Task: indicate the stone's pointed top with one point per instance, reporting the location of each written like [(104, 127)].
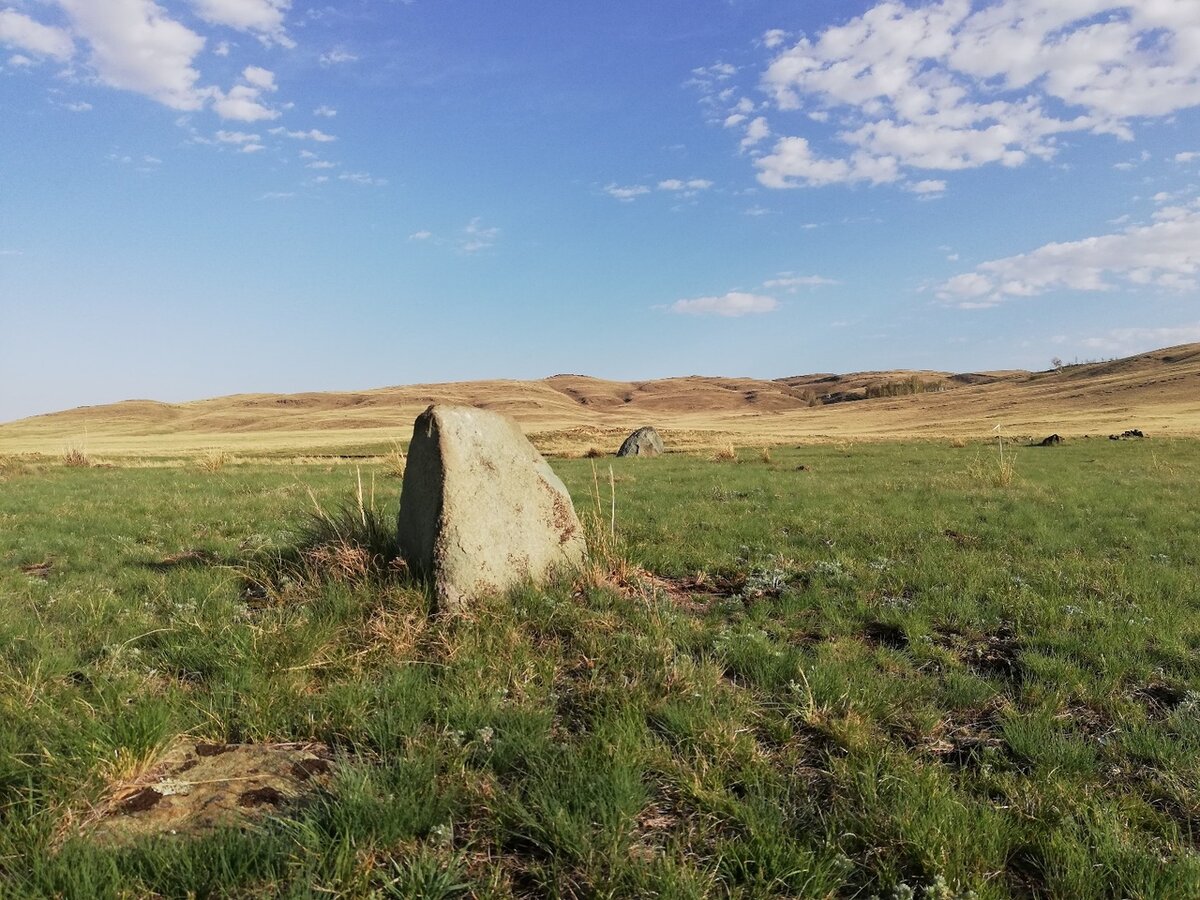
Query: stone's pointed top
[(481, 511), (643, 442)]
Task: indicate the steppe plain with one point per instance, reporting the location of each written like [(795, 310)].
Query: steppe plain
[(825, 649)]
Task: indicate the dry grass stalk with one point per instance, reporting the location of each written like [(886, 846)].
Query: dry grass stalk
[(765, 454)]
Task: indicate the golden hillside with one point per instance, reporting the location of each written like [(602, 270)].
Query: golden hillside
[(1158, 392)]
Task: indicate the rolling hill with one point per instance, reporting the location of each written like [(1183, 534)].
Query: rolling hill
[(1157, 391)]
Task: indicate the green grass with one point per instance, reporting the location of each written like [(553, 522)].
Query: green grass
[(909, 680)]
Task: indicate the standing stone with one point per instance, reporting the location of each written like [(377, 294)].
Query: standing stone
[(480, 510), (643, 442)]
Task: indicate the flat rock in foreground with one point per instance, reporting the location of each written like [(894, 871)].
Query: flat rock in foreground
[(197, 787), (481, 511)]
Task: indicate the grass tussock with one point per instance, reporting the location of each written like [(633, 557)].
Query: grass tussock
[(394, 462), (594, 453), (213, 461), (75, 458), (765, 454), (958, 442), (725, 454)]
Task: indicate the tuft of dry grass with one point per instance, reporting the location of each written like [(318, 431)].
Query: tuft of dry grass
[(394, 462), (765, 454), (958, 442), (76, 458), (593, 453), (725, 454), (213, 461)]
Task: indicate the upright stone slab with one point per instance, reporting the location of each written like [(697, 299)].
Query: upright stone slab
[(480, 510), (643, 442)]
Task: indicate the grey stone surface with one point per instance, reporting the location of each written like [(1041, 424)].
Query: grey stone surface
[(643, 442), (480, 509)]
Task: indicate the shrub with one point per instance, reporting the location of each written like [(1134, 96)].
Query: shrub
[(76, 458)]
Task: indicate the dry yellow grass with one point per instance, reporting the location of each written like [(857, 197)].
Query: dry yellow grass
[(1158, 392)]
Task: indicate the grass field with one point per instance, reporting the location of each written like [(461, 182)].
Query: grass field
[(873, 669)]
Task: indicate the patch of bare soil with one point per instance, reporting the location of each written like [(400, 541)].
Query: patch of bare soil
[(198, 787), (991, 654), (692, 592), (965, 738)]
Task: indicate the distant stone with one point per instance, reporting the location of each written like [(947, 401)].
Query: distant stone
[(480, 510), (643, 442), (1053, 441)]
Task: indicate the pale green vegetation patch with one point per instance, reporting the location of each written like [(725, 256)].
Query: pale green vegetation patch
[(889, 670)]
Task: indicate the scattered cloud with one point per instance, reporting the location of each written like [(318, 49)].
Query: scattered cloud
[(9, 252), (756, 132), (313, 134), (222, 49), (791, 282), (1187, 156), (362, 178), (277, 195), (262, 18), (420, 235), (625, 194), (20, 61), (953, 85), (1164, 254), (327, 111), (929, 187), (236, 137), (243, 102), (80, 106), (731, 305), (321, 164), (478, 237), (337, 56)]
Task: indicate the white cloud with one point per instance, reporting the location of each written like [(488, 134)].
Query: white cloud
[(313, 134), (756, 132), (19, 31), (327, 111), (790, 282), (263, 18), (337, 56), (953, 84), (252, 148), (236, 137), (321, 164), (362, 178), (774, 38), (1187, 156), (930, 187), (135, 46), (625, 194), (243, 102), (1164, 255), (731, 305), (258, 77), (478, 237), (81, 106), (690, 186), (277, 195), (20, 61), (222, 49), (420, 235)]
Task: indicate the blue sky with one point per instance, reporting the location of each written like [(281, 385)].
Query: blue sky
[(203, 197)]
